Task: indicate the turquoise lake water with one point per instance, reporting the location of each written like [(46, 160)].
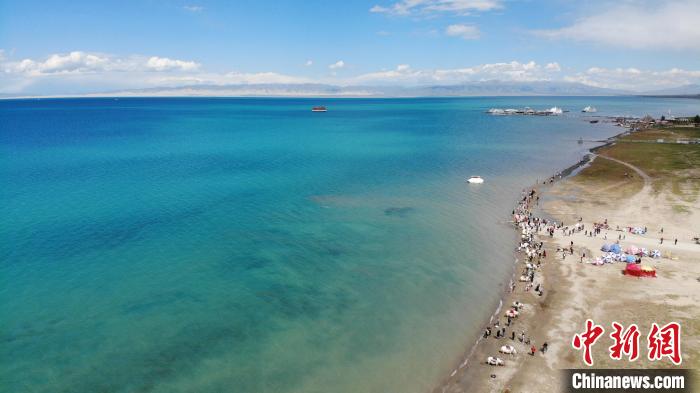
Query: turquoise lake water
[(250, 245)]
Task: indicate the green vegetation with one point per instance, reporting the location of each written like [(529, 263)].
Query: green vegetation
[(606, 175), (670, 165), (656, 159), (669, 134)]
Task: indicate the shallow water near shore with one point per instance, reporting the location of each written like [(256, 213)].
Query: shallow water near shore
[(250, 245)]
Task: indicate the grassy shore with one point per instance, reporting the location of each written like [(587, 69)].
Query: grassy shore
[(634, 181)]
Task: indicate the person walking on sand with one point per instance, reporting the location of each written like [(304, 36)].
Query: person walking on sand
[(675, 241), (662, 240), (533, 350), (544, 347)]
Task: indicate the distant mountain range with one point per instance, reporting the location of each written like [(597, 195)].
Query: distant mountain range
[(687, 90), (489, 88), (486, 88)]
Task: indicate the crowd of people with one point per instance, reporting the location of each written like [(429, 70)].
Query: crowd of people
[(533, 254)]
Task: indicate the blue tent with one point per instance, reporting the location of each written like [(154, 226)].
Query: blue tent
[(605, 248), (615, 248), (630, 259)]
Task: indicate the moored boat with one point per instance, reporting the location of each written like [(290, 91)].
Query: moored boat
[(475, 179), (319, 109), (554, 111)]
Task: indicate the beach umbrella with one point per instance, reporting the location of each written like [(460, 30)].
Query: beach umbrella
[(632, 250), (605, 248), (615, 248), (630, 259)]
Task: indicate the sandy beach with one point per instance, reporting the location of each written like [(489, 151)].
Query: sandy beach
[(632, 182)]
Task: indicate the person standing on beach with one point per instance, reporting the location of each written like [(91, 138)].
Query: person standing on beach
[(675, 241), (662, 240)]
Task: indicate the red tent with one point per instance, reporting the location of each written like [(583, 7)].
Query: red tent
[(633, 269)]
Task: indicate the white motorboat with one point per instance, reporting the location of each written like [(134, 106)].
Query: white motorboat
[(554, 111), (475, 179)]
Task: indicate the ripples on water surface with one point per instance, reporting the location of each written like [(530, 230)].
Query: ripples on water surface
[(249, 245)]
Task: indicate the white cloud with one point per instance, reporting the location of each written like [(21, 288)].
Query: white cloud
[(640, 25), (256, 78), (338, 64), (635, 79), (166, 64), (193, 8), (79, 71), (466, 32), (309, 63), (631, 78), (553, 67), (512, 71), (458, 7), (78, 62), (402, 73), (73, 62)]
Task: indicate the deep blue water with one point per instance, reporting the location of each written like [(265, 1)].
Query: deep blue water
[(249, 245)]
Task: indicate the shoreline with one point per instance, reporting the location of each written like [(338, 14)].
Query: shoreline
[(469, 359), (622, 185)]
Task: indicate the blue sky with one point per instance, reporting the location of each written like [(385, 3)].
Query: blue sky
[(52, 47)]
